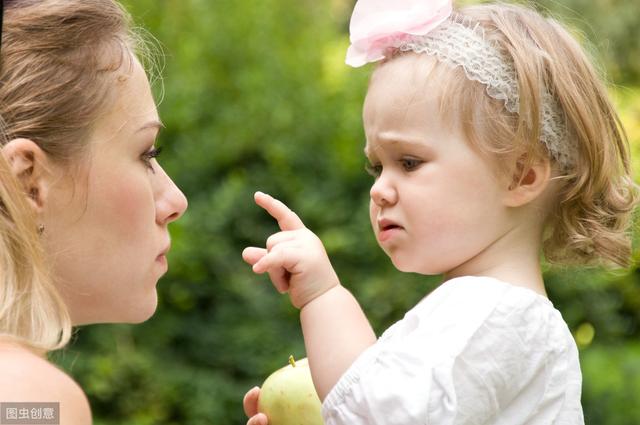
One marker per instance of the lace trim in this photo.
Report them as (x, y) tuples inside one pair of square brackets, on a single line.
[(458, 42)]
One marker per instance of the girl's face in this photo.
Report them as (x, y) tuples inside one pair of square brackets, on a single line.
[(106, 226), (436, 204)]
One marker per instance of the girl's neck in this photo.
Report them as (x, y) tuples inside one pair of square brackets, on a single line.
[(514, 258), (518, 276)]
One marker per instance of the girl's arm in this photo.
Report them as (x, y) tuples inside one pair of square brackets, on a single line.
[(334, 326), (335, 332)]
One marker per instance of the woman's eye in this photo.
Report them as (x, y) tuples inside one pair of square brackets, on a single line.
[(373, 170), (149, 155), (410, 164)]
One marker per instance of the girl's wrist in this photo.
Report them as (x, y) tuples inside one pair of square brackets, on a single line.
[(326, 291)]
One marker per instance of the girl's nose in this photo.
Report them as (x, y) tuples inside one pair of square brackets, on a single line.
[(170, 203), (382, 192)]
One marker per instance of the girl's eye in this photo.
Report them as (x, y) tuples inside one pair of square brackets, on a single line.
[(149, 155), (373, 170), (410, 164)]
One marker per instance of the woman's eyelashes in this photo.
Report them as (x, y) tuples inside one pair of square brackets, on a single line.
[(154, 152), (405, 163)]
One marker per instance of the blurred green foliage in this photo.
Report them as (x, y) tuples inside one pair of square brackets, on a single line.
[(257, 96)]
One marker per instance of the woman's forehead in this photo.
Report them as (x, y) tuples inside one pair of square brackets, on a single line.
[(134, 101)]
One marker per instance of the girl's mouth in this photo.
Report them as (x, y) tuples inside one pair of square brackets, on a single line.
[(387, 229)]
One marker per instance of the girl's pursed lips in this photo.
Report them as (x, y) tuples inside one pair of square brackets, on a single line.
[(386, 224)]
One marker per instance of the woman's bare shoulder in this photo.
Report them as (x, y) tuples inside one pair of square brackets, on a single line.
[(27, 377)]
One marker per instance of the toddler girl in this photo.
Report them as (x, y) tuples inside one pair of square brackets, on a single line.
[(491, 139)]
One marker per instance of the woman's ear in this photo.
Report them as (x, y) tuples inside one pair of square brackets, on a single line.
[(28, 163), (528, 182)]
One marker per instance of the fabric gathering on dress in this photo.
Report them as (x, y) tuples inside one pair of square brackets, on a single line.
[(475, 351)]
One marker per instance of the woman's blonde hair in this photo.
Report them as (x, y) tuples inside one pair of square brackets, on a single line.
[(57, 69), (591, 220)]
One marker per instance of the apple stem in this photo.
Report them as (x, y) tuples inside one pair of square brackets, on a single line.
[(292, 361)]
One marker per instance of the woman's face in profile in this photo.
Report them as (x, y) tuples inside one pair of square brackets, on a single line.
[(106, 228)]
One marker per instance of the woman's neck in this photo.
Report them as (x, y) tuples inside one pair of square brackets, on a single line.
[(10, 343)]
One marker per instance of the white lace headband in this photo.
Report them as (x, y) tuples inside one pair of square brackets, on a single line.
[(457, 41)]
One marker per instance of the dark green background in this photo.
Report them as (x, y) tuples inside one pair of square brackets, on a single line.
[(257, 96)]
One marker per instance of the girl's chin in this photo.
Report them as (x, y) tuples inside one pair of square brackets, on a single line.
[(403, 266), (412, 267)]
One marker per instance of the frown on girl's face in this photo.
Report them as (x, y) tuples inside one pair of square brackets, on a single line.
[(106, 228), (436, 204)]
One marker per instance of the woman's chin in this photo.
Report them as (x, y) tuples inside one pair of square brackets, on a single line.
[(145, 311), (133, 310)]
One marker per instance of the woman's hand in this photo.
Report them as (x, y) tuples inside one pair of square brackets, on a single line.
[(250, 404), (295, 258)]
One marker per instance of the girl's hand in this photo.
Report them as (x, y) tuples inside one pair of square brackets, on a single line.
[(250, 404), (294, 258)]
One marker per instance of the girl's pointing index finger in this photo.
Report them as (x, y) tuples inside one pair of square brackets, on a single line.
[(287, 219)]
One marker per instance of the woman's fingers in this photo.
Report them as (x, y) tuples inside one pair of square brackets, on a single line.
[(287, 219)]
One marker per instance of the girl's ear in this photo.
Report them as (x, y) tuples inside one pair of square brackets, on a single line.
[(528, 182), (29, 164)]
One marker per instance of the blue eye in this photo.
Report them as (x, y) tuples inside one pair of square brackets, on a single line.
[(373, 170), (149, 155), (410, 164)]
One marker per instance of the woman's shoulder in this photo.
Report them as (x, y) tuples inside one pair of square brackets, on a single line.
[(26, 377)]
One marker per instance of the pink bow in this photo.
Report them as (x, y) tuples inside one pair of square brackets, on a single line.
[(379, 24)]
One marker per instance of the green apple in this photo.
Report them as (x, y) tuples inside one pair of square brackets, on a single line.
[(288, 396)]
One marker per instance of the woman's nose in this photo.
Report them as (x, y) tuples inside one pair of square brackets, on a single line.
[(383, 192), (171, 202)]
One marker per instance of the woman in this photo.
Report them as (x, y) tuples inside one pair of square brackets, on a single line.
[(84, 204)]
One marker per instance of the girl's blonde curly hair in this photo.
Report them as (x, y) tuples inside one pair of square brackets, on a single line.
[(591, 221)]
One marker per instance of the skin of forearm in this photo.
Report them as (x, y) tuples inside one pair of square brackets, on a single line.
[(336, 331)]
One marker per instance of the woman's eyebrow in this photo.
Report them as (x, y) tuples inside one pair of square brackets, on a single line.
[(151, 124)]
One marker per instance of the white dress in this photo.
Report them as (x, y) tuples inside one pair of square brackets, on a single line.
[(475, 351)]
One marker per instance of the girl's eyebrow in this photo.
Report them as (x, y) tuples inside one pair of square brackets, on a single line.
[(402, 139), (396, 140)]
